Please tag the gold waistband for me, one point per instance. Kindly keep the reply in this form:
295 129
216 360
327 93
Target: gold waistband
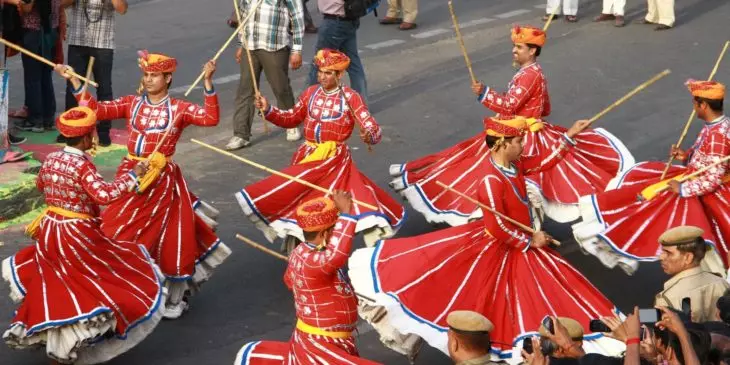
320 332
36 223
138 158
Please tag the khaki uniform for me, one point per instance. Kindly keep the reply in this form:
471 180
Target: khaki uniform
660 12
701 287
406 9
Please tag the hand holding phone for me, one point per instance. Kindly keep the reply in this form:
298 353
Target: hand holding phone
649 316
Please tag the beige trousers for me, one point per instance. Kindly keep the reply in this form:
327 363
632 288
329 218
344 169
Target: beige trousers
407 8
661 12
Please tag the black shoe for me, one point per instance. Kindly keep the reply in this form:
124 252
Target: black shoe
105 140
60 138
15 139
26 126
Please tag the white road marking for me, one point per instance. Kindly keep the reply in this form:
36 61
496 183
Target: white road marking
541 6
512 13
384 44
474 22
217 81
430 33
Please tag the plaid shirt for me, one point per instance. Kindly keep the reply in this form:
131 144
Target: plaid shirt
92 24
268 28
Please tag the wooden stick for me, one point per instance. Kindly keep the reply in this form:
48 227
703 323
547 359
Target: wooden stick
43 60
89 70
225 45
692 115
489 209
550 19
282 257
352 112
237 10
629 95
250 68
461 42
698 172
278 173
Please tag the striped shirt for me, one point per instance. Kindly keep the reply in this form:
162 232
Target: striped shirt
268 29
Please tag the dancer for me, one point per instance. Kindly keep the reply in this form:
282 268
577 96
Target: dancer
329 112
622 226
163 214
325 303
489 266
597 157
86 298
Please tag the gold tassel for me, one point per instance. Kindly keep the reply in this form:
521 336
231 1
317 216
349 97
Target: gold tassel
94 146
158 161
140 88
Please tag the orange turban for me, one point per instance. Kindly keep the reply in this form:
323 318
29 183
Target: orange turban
706 89
505 126
331 60
76 122
317 214
153 62
529 35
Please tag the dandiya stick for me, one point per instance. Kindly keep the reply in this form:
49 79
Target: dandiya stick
692 115
276 172
698 172
43 60
489 209
461 42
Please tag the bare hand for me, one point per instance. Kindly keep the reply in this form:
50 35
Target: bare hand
365 135
674 186
261 103
477 88
632 324
671 321
618 330
540 239
295 60
536 357
239 54
343 201
65 71
209 70
577 127
677 153
141 168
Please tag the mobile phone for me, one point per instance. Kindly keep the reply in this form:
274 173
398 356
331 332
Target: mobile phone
687 307
548 323
527 345
596 325
650 315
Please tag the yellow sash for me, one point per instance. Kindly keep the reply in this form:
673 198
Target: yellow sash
652 190
32 228
534 124
322 151
320 332
158 161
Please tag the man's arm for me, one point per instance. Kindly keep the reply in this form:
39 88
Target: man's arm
539 163
296 12
519 92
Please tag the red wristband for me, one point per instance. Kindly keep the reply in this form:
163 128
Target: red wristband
633 341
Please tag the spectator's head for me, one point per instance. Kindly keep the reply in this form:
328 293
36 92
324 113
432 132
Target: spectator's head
669 346
683 248
157 72
707 98
723 308
317 219
331 65
504 136
528 42
468 336
78 125
575 332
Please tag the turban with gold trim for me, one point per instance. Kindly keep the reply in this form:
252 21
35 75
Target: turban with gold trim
317 214
706 89
154 62
76 122
331 60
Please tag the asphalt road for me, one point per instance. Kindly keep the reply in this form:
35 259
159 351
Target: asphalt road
419 92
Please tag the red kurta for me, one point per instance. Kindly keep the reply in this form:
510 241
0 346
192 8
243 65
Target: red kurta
587 169
163 217
271 203
420 280
323 298
75 285
622 230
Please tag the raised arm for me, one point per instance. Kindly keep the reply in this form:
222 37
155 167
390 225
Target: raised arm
537 163
289 118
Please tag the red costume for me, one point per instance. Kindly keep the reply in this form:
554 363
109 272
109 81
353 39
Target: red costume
622 226
329 118
597 157
487 266
76 287
324 300
165 217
